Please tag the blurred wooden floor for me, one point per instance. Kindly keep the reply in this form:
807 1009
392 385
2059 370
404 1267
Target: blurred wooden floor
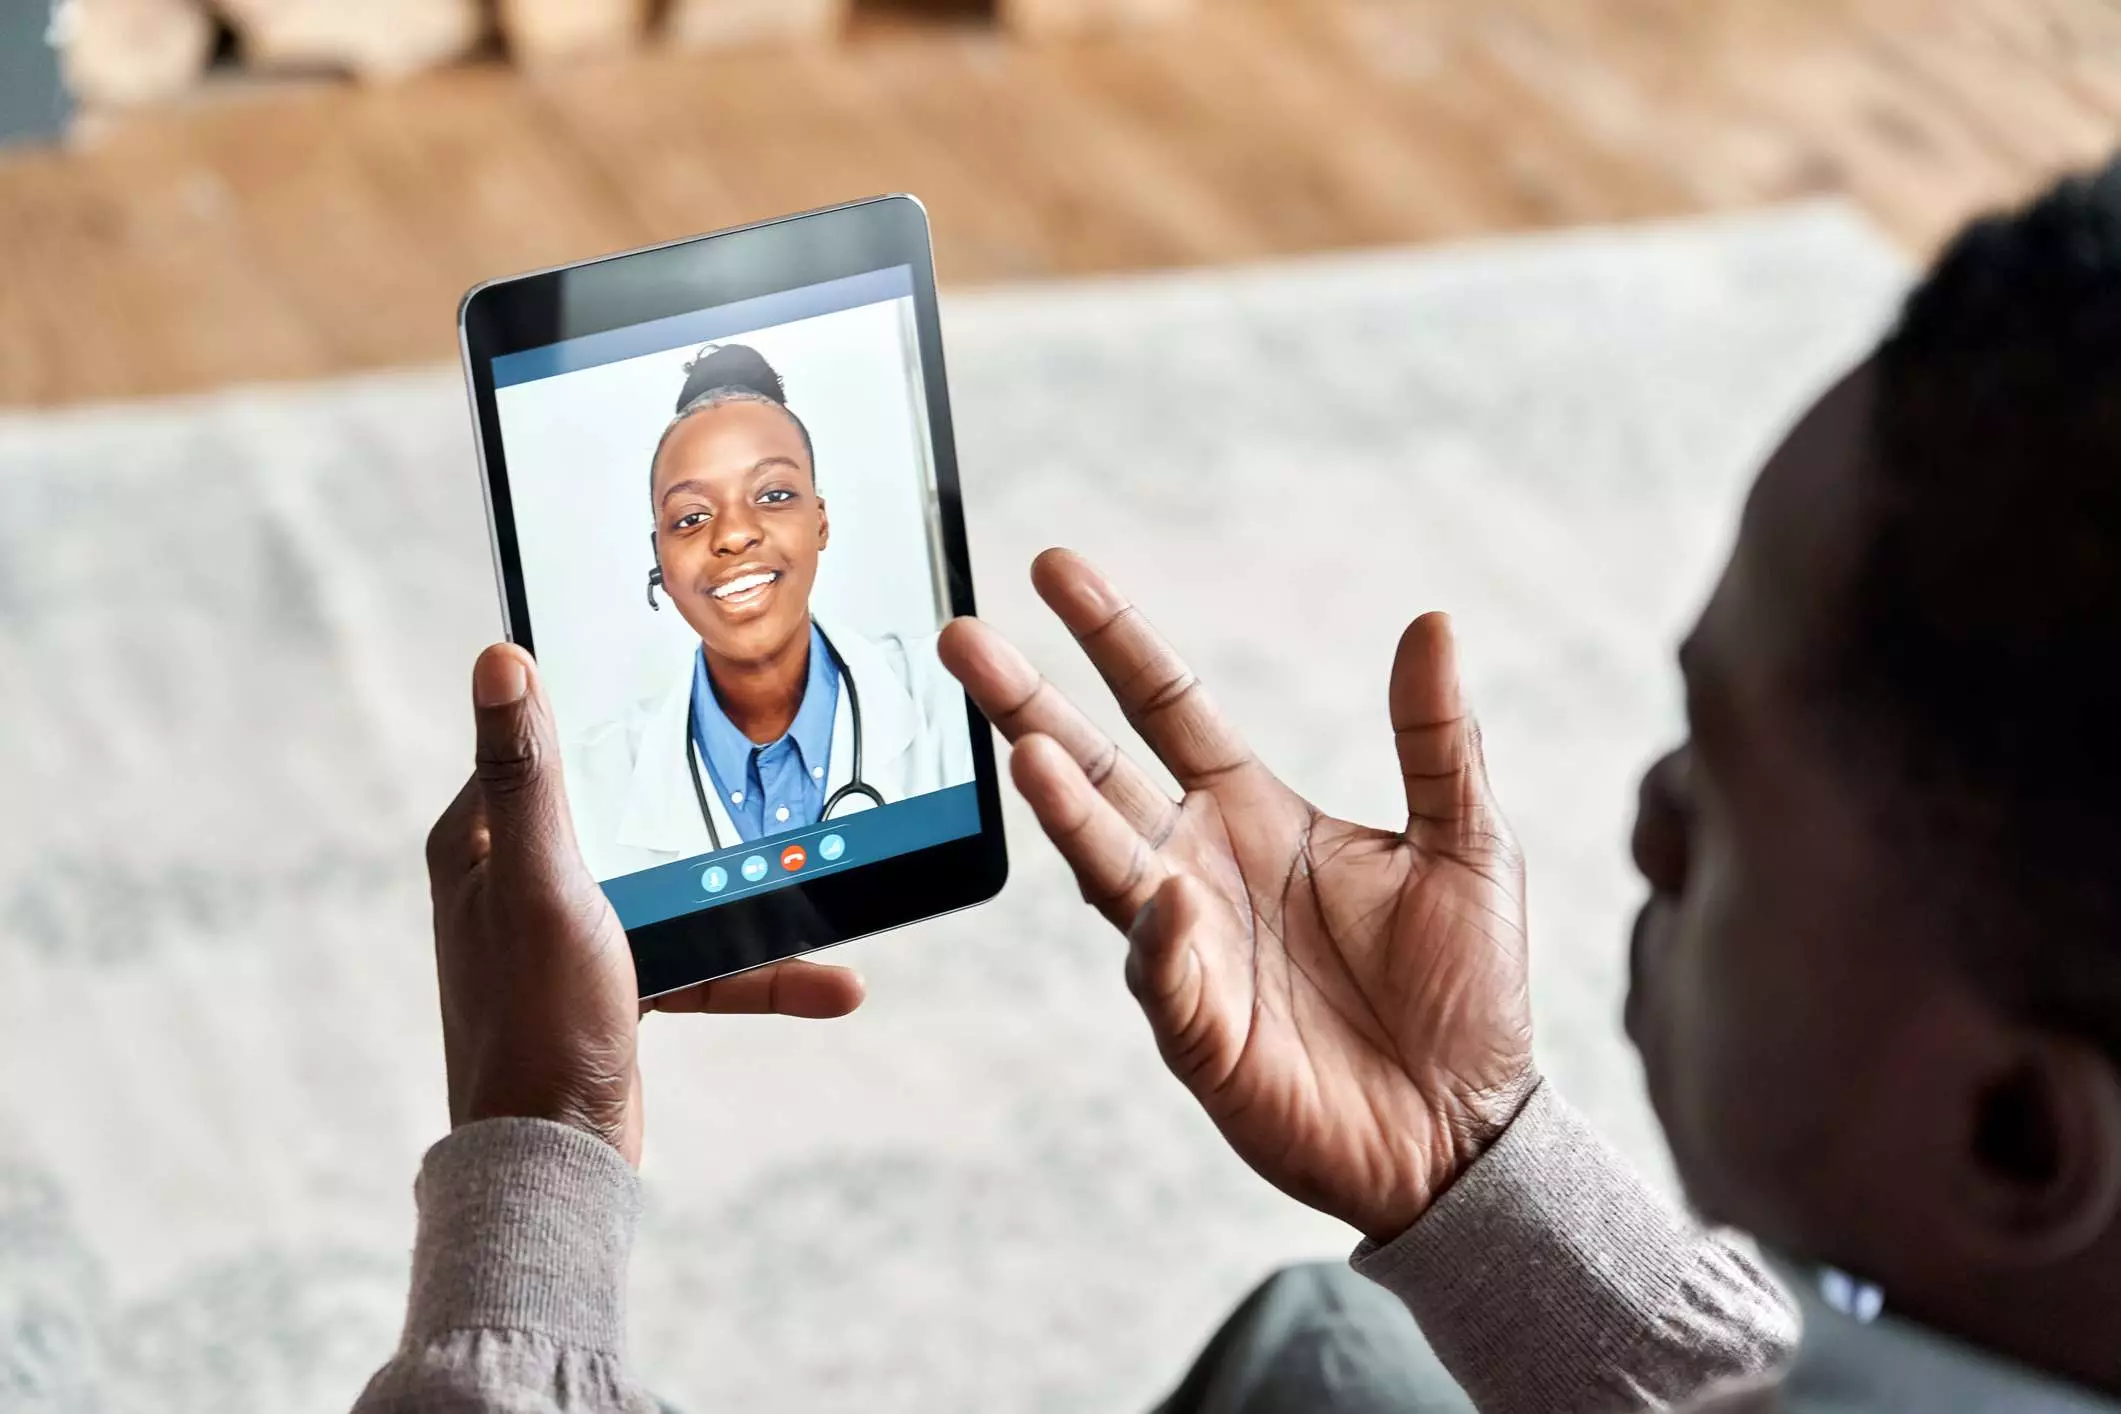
294 231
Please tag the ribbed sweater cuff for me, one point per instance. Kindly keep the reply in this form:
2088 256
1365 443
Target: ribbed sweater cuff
524 1225
1543 1266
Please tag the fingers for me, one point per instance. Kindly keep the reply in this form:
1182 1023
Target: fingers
1156 690
1115 866
1172 959
1016 697
518 764
1438 743
793 988
1163 970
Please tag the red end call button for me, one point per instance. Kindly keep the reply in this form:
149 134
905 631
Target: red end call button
793 858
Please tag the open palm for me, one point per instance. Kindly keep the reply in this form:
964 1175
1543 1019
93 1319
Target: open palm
1347 1003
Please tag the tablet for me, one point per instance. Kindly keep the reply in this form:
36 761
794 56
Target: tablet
723 498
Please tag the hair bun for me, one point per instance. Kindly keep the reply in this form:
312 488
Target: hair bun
730 366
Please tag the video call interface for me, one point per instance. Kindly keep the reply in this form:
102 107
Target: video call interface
730 546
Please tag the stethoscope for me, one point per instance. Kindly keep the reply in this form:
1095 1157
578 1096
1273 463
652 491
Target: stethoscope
855 786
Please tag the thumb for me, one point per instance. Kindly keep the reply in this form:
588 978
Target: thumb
1437 738
1178 969
518 761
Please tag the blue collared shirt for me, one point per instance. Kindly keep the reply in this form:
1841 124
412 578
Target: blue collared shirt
779 786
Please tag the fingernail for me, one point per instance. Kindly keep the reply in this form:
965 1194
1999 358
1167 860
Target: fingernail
498 680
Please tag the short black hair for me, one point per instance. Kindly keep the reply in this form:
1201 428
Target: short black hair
723 373
1982 641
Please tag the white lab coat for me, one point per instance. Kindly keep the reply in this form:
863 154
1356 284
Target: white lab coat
631 792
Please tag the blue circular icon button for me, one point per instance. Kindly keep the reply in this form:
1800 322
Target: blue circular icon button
830 848
714 879
754 868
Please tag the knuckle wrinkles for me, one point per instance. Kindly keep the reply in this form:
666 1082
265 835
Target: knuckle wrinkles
508 767
1079 828
1008 716
1205 777
1166 827
1137 870
1438 725
1172 691
1119 616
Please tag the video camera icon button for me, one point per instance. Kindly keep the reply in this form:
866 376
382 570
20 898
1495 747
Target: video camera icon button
754 868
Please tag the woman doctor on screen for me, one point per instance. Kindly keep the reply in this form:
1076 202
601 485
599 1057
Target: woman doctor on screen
778 721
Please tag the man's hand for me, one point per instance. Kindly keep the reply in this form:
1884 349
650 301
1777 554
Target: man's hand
539 1002
1348 1004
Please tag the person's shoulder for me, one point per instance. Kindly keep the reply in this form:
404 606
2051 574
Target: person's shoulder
938 699
909 645
659 693
613 742
611 729
914 659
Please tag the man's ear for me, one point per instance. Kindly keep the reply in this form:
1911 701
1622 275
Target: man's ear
824 525
2040 1175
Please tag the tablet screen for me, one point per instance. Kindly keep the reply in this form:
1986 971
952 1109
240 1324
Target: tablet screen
731 545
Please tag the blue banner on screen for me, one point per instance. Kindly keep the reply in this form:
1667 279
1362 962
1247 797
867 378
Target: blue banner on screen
776 861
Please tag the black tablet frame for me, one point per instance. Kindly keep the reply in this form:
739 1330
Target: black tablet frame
521 312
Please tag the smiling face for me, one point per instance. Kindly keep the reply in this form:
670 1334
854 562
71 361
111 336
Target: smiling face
739 526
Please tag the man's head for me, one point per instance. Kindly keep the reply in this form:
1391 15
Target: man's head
1878 983
738 521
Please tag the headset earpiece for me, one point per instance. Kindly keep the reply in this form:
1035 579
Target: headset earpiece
655 574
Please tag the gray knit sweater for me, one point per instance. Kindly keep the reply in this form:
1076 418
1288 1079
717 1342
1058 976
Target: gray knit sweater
1547 1279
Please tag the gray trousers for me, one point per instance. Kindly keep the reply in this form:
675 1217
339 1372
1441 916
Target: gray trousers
1318 1340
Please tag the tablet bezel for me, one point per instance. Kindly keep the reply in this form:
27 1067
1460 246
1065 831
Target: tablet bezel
544 307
